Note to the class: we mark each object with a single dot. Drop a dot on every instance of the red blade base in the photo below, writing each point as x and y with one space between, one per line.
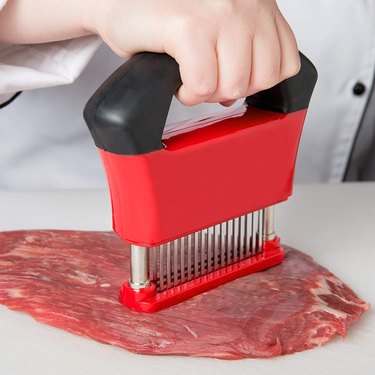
148 300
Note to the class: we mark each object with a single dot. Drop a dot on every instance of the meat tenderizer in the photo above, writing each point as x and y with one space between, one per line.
197 205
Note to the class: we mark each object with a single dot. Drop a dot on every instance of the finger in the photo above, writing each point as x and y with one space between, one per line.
234 65
198 69
265 67
290 62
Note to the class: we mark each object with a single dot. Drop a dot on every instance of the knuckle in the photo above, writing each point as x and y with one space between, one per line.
203 89
234 91
225 7
185 25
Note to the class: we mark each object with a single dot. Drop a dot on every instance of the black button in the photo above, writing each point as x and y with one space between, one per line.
359 89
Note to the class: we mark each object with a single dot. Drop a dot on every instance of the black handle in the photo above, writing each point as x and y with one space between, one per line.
127 114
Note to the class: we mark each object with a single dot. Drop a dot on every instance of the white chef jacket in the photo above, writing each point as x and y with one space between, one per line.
45 143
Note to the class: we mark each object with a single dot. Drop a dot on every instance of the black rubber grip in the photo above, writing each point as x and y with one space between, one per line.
127 114
291 95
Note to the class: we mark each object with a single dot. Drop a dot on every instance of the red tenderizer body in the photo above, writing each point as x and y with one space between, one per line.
196 207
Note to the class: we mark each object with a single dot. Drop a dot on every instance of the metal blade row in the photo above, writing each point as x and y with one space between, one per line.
203 252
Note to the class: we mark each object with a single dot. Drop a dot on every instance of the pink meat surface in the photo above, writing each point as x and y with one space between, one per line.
71 279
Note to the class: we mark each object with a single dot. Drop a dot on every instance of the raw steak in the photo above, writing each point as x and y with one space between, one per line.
71 280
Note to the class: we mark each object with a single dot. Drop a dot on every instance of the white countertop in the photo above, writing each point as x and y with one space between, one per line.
334 223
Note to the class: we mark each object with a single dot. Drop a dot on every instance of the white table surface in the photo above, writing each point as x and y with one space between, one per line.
335 224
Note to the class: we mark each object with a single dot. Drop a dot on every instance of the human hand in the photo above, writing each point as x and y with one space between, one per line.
226 49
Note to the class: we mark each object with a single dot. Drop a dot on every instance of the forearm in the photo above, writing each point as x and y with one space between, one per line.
41 21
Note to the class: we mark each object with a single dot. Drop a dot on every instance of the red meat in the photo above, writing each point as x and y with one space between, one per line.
71 280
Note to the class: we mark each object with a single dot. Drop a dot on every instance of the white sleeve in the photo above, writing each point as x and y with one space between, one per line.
26 67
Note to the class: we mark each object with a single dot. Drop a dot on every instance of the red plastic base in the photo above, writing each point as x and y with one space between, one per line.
149 301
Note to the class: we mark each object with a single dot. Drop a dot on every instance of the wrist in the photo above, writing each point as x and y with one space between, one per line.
94 14
110 19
